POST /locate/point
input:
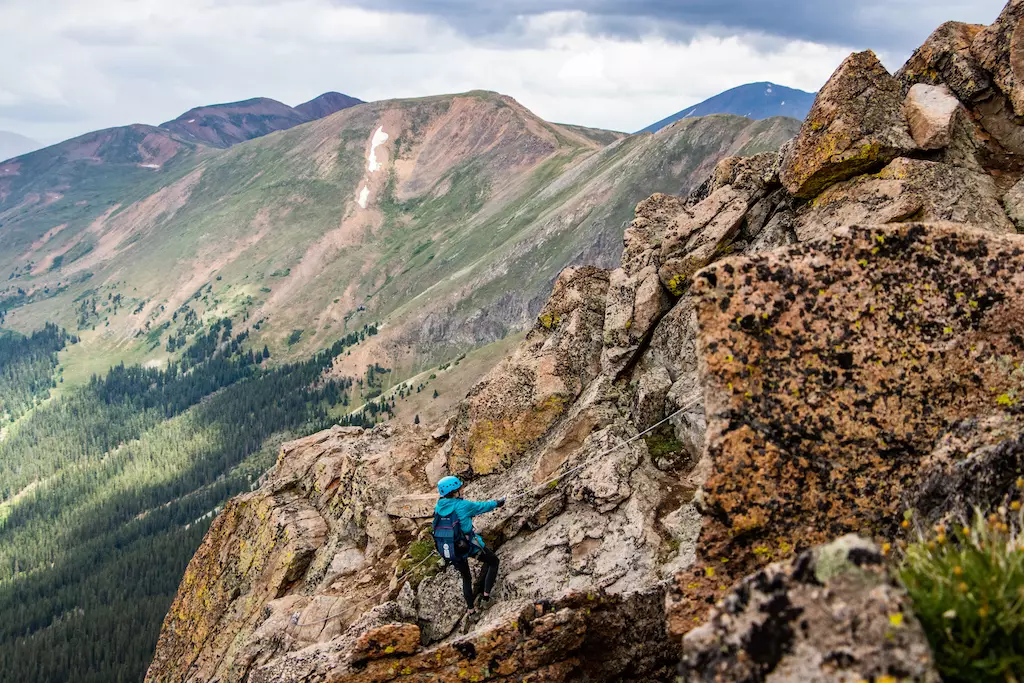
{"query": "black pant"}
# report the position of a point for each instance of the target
(485, 581)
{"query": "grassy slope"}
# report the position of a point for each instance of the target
(482, 237)
(450, 383)
(607, 190)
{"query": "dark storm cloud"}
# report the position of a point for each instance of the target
(895, 25)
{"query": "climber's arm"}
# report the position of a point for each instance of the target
(474, 508)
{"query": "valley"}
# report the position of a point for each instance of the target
(204, 299)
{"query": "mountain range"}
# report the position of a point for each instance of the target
(446, 217)
(224, 125)
(753, 100)
(180, 299)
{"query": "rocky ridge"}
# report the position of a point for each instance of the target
(224, 125)
(834, 333)
(442, 221)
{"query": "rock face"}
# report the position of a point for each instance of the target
(385, 641)
(831, 614)
(514, 406)
(999, 49)
(946, 58)
(1013, 202)
(262, 580)
(975, 466)
(412, 506)
(906, 189)
(855, 125)
(830, 376)
(804, 347)
(351, 598)
(714, 223)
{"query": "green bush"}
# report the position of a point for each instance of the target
(967, 586)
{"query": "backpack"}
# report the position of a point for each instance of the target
(451, 542)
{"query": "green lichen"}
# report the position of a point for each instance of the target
(831, 162)
(549, 320)
(677, 285)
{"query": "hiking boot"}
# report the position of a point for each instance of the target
(470, 620)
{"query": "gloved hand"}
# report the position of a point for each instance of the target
(500, 502)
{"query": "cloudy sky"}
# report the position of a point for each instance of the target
(71, 66)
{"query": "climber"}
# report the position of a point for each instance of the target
(456, 542)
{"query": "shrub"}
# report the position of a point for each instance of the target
(415, 564)
(967, 586)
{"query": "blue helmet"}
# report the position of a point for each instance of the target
(448, 484)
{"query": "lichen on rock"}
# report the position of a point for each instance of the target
(830, 375)
(831, 614)
(856, 125)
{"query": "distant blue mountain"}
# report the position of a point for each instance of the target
(754, 100)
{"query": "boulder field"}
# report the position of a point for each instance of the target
(704, 448)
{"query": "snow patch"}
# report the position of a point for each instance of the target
(768, 90)
(782, 103)
(379, 138)
(191, 121)
(149, 165)
(364, 195)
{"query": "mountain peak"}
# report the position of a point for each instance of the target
(224, 125)
(756, 101)
(327, 104)
(227, 124)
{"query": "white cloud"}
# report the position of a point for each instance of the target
(88, 65)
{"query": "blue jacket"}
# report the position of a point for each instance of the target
(466, 510)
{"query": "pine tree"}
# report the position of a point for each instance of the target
(416, 420)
